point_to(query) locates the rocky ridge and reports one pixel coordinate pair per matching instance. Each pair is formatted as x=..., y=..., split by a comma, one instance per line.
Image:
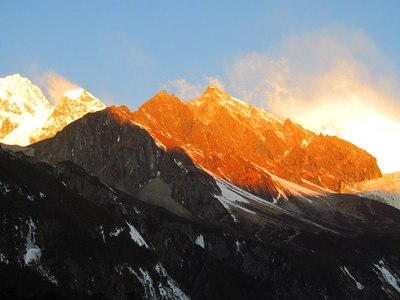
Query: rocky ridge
x=243, y=144
x=125, y=156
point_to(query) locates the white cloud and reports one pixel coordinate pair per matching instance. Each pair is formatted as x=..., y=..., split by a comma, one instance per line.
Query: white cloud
x=184, y=90
x=333, y=79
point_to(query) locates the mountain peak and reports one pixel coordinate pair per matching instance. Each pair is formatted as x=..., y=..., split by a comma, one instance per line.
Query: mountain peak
x=22, y=108
x=120, y=113
x=213, y=91
x=164, y=96
x=18, y=89
x=161, y=101
x=15, y=78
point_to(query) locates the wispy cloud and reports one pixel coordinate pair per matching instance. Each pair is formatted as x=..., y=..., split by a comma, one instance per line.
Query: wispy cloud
x=210, y=80
x=187, y=91
x=55, y=86
x=330, y=80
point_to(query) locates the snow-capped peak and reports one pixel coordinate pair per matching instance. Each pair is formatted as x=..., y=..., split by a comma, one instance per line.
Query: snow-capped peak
x=18, y=89
x=26, y=115
x=23, y=108
x=74, y=105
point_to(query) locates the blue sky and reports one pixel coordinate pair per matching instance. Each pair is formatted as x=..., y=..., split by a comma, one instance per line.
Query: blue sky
x=296, y=59
x=126, y=51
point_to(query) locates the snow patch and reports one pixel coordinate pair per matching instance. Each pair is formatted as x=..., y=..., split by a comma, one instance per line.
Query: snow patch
x=238, y=247
x=3, y=259
x=146, y=281
x=4, y=188
x=33, y=252
x=304, y=143
x=235, y=197
x=136, y=236
x=101, y=229
x=180, y=165
x=74, y=94
x=387, y=276
x=170, y=290
x=46, y=274
x=200, y=241
x=116, y=232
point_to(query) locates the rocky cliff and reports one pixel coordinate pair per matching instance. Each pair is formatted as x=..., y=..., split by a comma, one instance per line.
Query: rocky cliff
x=243, y=144
x=125, y=156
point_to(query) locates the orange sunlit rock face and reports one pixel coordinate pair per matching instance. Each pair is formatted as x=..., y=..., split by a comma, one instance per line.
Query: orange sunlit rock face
x=243, y=144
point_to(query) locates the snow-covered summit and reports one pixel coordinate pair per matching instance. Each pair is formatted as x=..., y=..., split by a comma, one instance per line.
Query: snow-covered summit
x=26, y=115
x=74, y=105
x=16, y=88
x=23, y=108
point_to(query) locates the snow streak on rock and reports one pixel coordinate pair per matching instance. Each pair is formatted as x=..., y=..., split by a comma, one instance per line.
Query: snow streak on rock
x=346, y=272
x=387, y=275
x=33, y=252
x=170, y=290
x=136, y=236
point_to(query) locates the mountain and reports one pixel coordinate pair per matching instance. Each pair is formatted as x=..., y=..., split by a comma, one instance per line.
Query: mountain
x=26, y=116
x=134, y=218
x=209, y=199
x=243, y=144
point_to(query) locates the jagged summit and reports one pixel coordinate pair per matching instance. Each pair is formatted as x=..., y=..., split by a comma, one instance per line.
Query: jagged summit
x=162, y=99
x=214, y=92
x=214, y=99
x=245, y=145
x=120, y=113
x=74, y=105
